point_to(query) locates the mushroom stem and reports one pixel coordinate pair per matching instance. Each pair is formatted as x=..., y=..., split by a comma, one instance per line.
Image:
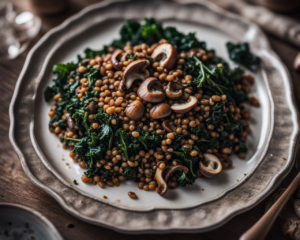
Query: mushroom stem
x=151, y=90
x=160, y=180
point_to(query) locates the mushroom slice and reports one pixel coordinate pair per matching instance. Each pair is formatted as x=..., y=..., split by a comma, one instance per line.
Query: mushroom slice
x=115, y=59
x=151, y=90
x=124, y=56
x=134, y=71
x=168, y=125
x=135, y=110
x=174, y=90
x=71, y=124
x=210, y=166
x=172, y=169
x=85, y=62
x=91, y=108
x=160, y=111
x=186, y=106
x=167, y=53
x=160, y=180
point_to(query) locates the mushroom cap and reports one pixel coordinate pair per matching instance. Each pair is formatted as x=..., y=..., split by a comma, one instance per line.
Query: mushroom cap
x=186, y=106
x=85, y=62
x=160, y=180
x=71, y=124
x=160, y=111
x=168, y=125
x=168, y=53
x=91, y=108
x=115, y=59
x=211, y=166
x=134, y=71
x=171, y=90
x=135, y=110
x=151, y=90
x=171, y=169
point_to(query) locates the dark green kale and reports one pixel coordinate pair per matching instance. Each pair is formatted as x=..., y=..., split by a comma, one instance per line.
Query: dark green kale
x=205, y=141
x=91, y=172
x=89, y=53
x=75, y=182
x=152, y=172
x=148, y=140
x=183, y=42
x=132, y=56
x=185, y=179
x=176, y=142
x=130, y=173
x=131, y=146
x=216, y=114
x=216, y=80
x=62, y=70
x=150, y=32
x=243, y=148
x=103, y=117
x=203, y=76
x=240, y=53
x=49, y=93
x=232, y=126
x=192, y=163
x=122, y=141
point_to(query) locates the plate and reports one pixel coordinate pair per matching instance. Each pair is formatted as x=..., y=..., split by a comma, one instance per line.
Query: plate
x=18, y=222
x=203, y=206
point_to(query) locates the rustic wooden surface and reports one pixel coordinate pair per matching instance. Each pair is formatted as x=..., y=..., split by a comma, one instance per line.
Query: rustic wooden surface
x=16, y=188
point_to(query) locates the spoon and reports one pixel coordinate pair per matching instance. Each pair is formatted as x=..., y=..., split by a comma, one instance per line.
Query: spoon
x=260, y=229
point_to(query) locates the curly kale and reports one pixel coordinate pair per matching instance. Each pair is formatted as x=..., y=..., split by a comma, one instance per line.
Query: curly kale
x=185, y=179
x=192, y=163
x=203, y=76
x=216, y=114
x=241, y=54
x=131, y=173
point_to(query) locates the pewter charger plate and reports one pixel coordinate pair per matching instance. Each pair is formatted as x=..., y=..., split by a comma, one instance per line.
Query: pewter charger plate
x=201, y=207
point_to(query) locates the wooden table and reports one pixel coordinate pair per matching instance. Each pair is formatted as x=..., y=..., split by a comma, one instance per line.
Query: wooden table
x=16, y=188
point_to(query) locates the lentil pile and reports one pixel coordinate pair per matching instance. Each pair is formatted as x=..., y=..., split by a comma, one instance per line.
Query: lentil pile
x=152, y=109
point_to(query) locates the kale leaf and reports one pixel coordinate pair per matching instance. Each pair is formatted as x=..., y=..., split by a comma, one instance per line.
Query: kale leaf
x=240, y=53
x=216, y=114
x=130, y=173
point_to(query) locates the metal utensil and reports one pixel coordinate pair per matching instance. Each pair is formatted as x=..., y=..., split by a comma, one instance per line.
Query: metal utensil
x=261, y=228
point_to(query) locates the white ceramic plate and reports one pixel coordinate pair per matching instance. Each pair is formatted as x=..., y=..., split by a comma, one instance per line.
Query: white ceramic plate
x=97, y=26
x=50, y=149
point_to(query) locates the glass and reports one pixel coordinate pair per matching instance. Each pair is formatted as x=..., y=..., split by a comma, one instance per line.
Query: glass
x=17, y=29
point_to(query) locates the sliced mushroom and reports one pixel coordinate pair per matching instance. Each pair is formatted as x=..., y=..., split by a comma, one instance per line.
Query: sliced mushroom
x=134, y=71
x=85, y=62
x=186, y=106
x=91, y=108
x=167, y=53
x=124, y=56
x=174, y=90
x=160, y=180
x=160, y=111
x=151, y=90
x=135, y=110
x=168, y=125
x=172, y=169
x=77, y=90
x=211, y=166
x=115, y=59
x=71, y=124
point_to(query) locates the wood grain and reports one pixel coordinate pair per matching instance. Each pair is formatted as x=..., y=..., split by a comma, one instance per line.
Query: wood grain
x=16, y=188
